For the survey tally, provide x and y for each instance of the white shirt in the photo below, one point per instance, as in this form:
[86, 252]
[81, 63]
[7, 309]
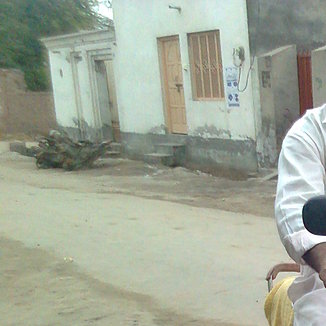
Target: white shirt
[301, 175]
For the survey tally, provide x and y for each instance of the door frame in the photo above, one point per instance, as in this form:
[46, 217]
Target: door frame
[75, 57]
[92, 56]
[163, 74]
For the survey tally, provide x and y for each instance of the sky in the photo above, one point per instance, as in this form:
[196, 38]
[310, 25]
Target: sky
[105, 11]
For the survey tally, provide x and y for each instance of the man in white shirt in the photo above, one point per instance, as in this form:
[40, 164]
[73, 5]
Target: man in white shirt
[302, 176]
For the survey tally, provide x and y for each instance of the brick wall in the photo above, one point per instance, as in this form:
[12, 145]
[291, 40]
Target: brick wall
[22, 111]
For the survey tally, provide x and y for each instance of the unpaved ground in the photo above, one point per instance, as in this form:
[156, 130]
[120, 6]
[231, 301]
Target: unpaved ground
[180, 185]
[38, 289]
[134, 261]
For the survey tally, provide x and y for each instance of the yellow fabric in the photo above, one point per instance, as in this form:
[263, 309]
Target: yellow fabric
[278, 307]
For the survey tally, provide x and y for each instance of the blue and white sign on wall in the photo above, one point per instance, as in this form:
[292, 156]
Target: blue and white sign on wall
[232, 92]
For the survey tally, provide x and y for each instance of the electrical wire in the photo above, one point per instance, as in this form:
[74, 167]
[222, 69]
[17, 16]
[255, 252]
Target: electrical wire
[240, 67]
[247, 78]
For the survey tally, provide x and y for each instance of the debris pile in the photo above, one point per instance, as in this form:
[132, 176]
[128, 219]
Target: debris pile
[59, 151]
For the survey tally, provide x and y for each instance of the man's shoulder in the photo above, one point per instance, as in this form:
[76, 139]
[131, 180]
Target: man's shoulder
[317, 114]
[313, 121]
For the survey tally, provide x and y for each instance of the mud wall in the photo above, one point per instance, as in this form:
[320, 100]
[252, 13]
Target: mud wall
[22, 111]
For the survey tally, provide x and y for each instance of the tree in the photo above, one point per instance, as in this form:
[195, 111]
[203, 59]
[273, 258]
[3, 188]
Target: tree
[24, 22]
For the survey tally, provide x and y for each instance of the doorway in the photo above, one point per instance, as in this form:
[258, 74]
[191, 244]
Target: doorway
[104, 98]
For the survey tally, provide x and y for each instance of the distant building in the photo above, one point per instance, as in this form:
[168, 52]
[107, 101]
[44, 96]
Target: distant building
[177, 80]
[83, 83]
[207, 84]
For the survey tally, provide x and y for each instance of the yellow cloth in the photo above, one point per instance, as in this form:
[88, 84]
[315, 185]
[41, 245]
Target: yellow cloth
[278, 307]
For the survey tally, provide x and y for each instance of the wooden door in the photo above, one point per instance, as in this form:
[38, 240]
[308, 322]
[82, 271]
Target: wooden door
[173, 85]
[305, 81]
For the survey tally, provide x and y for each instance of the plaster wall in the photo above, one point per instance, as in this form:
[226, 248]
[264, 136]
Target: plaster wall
[279, 100]
[63, 89]
[138, 71]
[76, 93]
[318, 63]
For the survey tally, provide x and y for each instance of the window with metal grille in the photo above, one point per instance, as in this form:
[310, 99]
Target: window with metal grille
[206, 65]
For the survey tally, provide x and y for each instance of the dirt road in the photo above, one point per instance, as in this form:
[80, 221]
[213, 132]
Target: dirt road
[77, 249]
[39, 289]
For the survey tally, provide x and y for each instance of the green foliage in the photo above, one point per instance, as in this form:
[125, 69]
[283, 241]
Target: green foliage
[37, 78]
[24, 22]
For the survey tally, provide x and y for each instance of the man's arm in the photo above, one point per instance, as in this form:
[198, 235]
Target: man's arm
[316, 258]
[301, 176]
[283, 267]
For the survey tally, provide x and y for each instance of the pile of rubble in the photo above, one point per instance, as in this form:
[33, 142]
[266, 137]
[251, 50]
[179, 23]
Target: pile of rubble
[58, 150]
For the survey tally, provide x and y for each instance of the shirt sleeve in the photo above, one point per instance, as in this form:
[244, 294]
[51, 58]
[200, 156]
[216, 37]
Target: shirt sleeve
[301, 176]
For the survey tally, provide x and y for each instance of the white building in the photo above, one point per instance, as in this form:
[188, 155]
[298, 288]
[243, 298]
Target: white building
[177, 68]
[83, 83]
[188, 89]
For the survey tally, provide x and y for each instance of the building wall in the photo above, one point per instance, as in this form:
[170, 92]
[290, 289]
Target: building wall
[63, 88]
[74, 81]
[273, 24]
[23, 112]
[278, 101]
[139, 87]
[318, 63]
[286, 92]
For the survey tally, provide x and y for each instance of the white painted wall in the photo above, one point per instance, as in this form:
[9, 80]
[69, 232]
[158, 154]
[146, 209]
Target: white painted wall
[138, 25]
[85, 88]
[87, 45]
[64, 99]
